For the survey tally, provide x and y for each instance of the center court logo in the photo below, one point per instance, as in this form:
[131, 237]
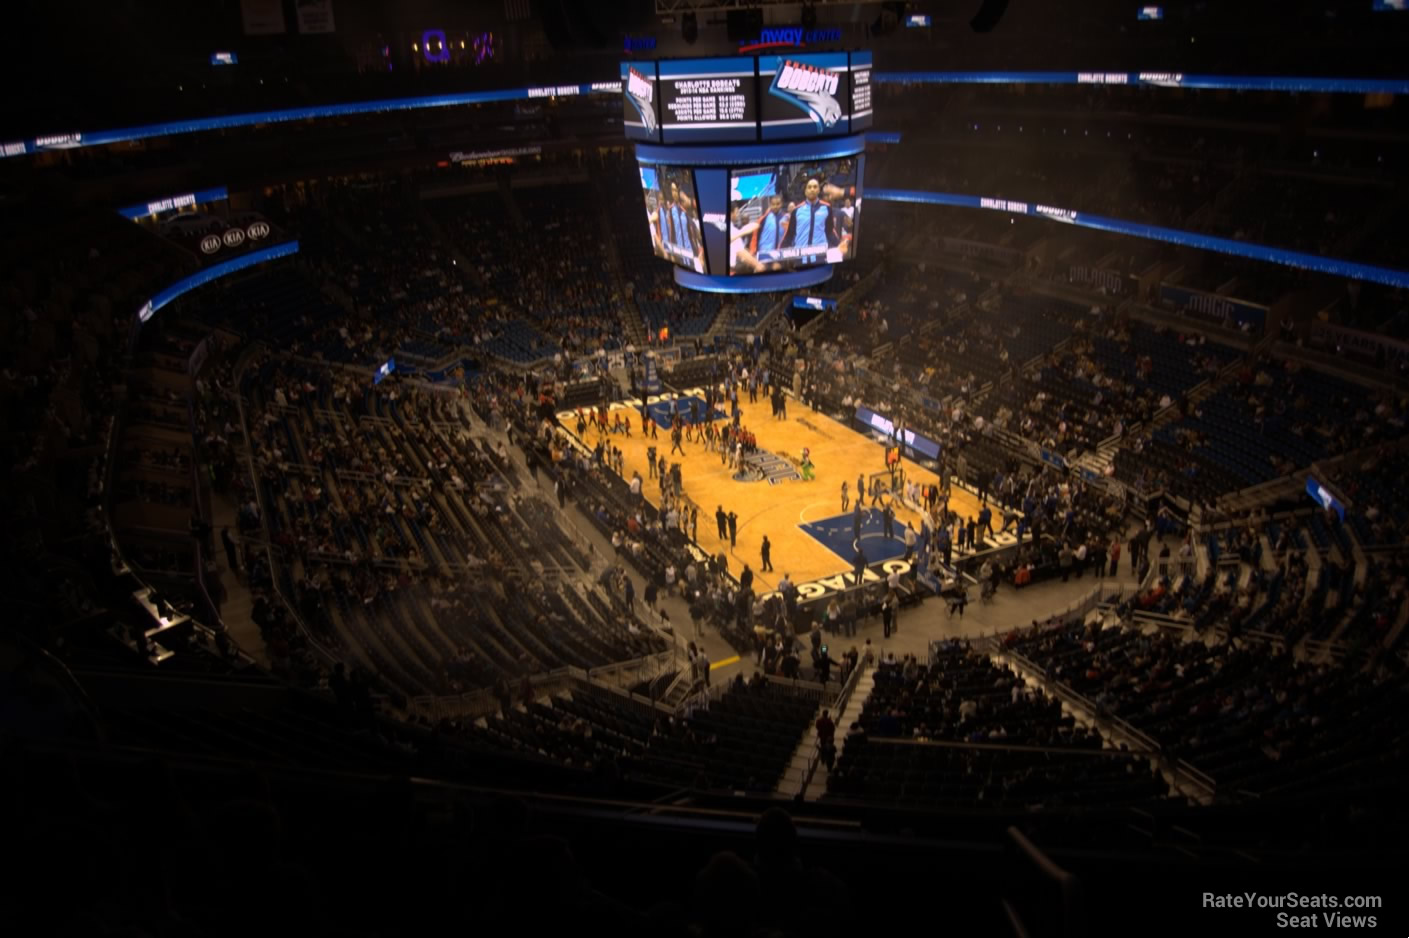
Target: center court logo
[641, 93]
[814, 90]
[761, 465]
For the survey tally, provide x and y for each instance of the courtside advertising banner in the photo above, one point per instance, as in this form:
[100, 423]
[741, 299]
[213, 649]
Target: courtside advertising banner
[804, 95]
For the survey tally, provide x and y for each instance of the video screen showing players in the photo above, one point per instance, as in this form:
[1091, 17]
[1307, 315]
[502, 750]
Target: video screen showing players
[793, 215]
[673, 214]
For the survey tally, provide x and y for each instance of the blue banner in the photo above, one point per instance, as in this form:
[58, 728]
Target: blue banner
[214, 272]
[757, 154]
[1323, 497]
[171, 203]
[1258, 252]
[74, 140]
[754, 283]
[1298, 83]
[647, 124]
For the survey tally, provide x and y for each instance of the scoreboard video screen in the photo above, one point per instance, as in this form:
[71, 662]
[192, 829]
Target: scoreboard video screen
[708, 100]
[747, 99]
[641, 112]
[860, 91]
[673, 215]
[805, 95]
[793, 215]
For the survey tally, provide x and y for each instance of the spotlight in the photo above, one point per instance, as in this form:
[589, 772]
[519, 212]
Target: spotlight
[689, 27]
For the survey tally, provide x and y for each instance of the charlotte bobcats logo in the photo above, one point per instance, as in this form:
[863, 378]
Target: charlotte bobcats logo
[812, 89]
[641, 93]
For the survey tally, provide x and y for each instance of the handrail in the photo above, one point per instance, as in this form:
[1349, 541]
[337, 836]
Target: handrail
[1198, 777]
[1073, 696]
[848, 686]
[839, 705]
[482, 701]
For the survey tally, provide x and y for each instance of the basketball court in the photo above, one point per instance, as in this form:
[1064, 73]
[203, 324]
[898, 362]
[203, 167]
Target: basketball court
[811, 536]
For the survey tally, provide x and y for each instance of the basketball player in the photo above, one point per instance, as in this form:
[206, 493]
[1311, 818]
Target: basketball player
[812, 223]
[772, 228]
[685, 229]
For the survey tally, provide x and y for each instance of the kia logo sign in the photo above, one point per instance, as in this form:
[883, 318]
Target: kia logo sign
[210, 244]
[258, 230]
[234, 238]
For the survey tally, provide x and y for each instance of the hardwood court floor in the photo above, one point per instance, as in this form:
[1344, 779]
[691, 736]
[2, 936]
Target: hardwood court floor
[777, 510]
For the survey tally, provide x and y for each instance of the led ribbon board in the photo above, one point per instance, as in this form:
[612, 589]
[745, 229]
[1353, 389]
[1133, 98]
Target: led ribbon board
[173, 202]
[1303, 83]
[212, 273]
[73, 140]
[1259, 252]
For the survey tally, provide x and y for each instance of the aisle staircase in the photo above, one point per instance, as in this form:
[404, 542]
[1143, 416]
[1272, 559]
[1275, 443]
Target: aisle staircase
[796, 781]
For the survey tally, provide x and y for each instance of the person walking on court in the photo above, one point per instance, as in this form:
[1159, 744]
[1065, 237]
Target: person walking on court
[767, 553]
[675, 436]
[723, 521]
[845, 498]
[959, 598]
[733, 529]
[856, 522]
[910, 539]
[888, 521]
[859, 565]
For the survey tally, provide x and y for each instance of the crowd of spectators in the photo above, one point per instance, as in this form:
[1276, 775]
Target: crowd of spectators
[1030, 752]
[411, 534]
[1275, 417]
[1252, 719]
